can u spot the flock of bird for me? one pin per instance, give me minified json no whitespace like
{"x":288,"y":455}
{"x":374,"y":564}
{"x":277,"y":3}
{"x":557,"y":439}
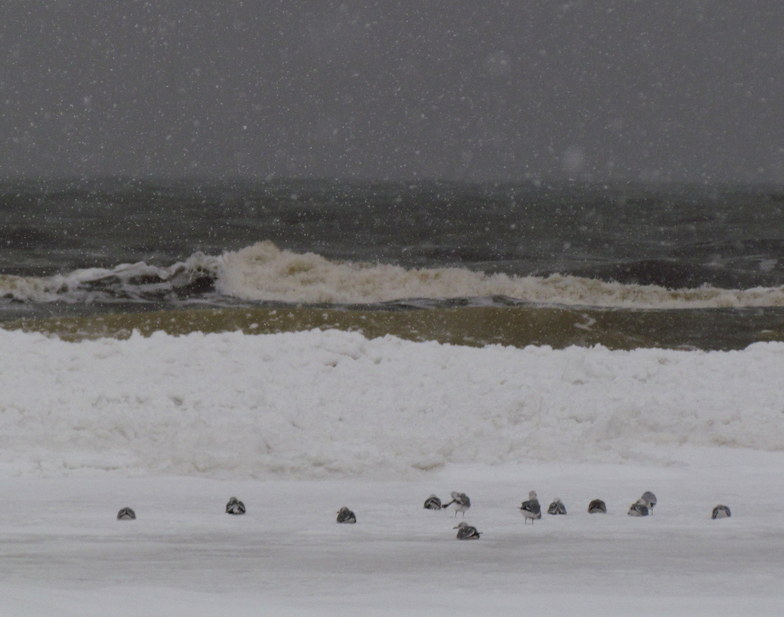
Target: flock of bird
{"x":531,"y":510}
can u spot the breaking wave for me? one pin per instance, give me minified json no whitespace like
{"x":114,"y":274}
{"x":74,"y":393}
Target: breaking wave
{"x":263,"y":272}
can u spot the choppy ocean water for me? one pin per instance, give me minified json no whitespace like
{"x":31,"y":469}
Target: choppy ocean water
{"x":516,"y":264}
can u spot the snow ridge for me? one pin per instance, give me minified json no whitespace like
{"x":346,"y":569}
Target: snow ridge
{"x":315,"y":404}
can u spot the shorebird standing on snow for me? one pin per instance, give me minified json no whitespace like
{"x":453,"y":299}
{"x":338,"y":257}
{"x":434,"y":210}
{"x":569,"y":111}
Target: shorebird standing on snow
{"x":466,"y":532}
{"x":531,"y":509}
{"x":461,"y":501}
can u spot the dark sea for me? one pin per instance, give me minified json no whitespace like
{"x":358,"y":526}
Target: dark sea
{"x":619,"y":265}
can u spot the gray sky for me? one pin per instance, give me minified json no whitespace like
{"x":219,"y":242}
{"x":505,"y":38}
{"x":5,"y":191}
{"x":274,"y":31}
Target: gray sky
{"x":467,"y":90}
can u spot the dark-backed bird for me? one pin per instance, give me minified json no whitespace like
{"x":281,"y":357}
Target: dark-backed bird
{"x":235,"y":506}
{"x":346,"y":516}
{"x":466,"y":532}
{"x":597,"y":506}
{"x":721,"y":511}
{"x":557,"y":507}
{"x":126,"y":514}
{"x":530,"y":508}
{"x":432,"y":503}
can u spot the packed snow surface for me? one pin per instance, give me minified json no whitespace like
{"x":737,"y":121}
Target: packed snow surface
{"x":65,"y":554}
{"x":298,"y":425}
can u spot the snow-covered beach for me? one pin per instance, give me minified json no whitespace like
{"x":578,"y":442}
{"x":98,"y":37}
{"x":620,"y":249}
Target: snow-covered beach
{"x":65,"y":554}
{"x":298,"y":425}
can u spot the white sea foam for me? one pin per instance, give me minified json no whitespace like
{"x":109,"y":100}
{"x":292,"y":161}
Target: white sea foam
{"x":315,"y":403}
{"x":123,"y":282}
{"x":265,"y":272}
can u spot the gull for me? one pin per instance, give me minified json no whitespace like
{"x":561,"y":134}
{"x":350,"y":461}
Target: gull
{"x":432,"y":503}
{"x":466,"y":532}
{"x":531,"y":509}
{"x":639,"y":508}
{"x":126,"y":514}
{"x":557,"y":507}
{"x":235,"y":506}
{"x":649,"y":499}
{"x":597,"y":506}
{"x":346,"y":516}
{"x":721,"y":511}
{"x":461,"y":501}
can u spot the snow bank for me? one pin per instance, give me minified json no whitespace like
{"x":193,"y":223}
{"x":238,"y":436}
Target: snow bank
{"x":314,"y":404}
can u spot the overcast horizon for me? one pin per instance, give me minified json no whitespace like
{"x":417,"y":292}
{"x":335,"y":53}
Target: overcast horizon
{"x":497,"y":91}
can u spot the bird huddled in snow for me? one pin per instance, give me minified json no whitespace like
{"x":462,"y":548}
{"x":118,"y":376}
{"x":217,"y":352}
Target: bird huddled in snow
{"x":235,"y":506}
{"x":721,"y":511}
{"x":466,"y":532}
{"x":650,"y":500}
{"x":530,"y":508}
{"x":597,"y":506}
{"x":126,"y":514}
{"x":556,"y":507}
{"x":432,"y":503}
{"x":461,"y":501}
{"x":639,"y":508}
{"x":346,"y":516}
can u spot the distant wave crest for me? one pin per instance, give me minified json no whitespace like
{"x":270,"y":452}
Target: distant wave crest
{"x":264,"y":272}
